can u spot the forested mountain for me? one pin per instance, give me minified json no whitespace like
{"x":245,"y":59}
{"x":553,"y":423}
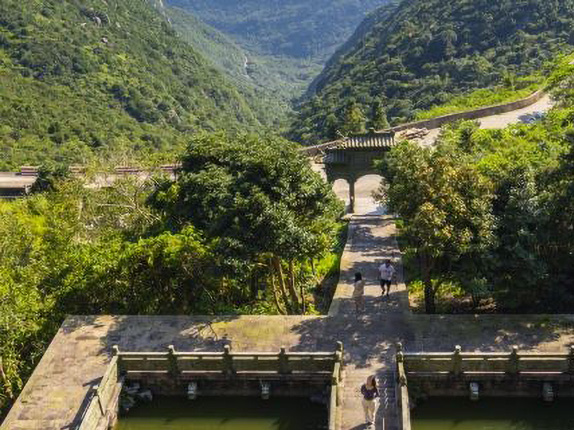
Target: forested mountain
{"x":426,"y":51}
{"x":295,"y":28}
{"x":77,"y":78}
{"x":261,"y":79}
{"x":286,"y":43}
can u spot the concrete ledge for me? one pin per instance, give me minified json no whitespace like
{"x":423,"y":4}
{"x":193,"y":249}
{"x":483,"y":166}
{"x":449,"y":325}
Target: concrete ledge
{"x":340,"y":293}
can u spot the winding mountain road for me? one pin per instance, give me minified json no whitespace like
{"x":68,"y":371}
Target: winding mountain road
{"x":500,"y":121}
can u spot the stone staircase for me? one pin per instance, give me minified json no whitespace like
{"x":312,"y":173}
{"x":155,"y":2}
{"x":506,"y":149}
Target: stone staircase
{"x":387,"y":414}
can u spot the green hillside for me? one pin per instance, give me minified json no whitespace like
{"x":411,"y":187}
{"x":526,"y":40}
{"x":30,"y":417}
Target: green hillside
{"x":92,"y":77}
{"x":294,"y":28}
{"x":426,"y":51}
{"x":261,"y":79}
{"x":284,"y":44}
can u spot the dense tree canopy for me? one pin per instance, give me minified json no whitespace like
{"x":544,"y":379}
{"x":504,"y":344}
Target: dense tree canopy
{"x":446,"y":207}
{"x":525,"y":259}
{"x":257,"y":198}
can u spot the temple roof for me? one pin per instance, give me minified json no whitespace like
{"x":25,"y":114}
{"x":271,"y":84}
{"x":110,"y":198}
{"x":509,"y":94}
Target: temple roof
{"x":367,"y":141}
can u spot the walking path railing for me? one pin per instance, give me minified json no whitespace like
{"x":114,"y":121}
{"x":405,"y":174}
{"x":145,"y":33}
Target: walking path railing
{"x":403,"y":401}
{"x":479,"y":365}
{"x":230,"y":363}
{"x":489,"y":363}
{"x":326,"y":366}
{"x":101,"y":398}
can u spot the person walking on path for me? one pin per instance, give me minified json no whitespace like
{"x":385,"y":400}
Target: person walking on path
{"x":387,"y":274}
{"x":359,"y":292}
{"x":370,"y":394}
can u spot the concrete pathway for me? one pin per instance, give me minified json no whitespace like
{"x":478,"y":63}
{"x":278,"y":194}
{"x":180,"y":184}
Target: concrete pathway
{"x":499,"y":121}
{"x":384,"y":322}
{"x":516,"y":116}
{"x":370,"y":337}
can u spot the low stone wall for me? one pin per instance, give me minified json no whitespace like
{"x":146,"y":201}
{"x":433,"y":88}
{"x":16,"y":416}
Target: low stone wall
{"x":490,"y":374}
{"x":472,"y":114}
{"x":289,"y":374}
{"x":402,"y":393}
{"x":101,"y":412}
{"x":493,"y":386}
{"x":163,"y":384}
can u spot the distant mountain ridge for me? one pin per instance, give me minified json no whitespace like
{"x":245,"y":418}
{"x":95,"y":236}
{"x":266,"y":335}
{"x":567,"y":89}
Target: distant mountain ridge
{"x":425,"y":51}
{"x":255,"y":76}
{"x":286,"y":42}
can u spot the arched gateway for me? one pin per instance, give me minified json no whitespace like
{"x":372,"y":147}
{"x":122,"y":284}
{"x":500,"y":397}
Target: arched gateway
{"x":353,"y":157}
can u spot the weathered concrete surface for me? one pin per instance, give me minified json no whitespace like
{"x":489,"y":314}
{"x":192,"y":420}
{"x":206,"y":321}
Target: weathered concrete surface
{"x":385,"y":321}
{"x":505,"y":119}
{"x":78,"y":355}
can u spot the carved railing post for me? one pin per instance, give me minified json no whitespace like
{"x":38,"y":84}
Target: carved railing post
{"x":116,"y":353}
{"x":172,"y":362}
{"x":283,"y":361}
{"x":339,"y":358}
{"x":571,"y":360}
{"x":228,"y":360}
{"x":514,"y":362}
{"x":457,"y":361}
{"x":401,"y":376}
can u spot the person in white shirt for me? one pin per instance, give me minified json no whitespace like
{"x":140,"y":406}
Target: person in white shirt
{"x":387,"y":274}
{"x":359,"y":292}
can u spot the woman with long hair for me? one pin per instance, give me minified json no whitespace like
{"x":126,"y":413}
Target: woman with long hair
{"x":370,"y":394}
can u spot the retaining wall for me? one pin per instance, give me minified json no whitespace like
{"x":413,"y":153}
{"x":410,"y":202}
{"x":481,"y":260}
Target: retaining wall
{"x":472,"y":114}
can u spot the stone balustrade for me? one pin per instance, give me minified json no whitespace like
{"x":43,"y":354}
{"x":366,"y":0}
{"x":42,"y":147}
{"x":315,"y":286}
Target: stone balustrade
{"x":102,"y":407}
{"x":478,"y":364}
{"x":101,"y":411}
{"x":499,"y":374}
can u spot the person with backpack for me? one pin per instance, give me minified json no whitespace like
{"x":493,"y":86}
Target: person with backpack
{"x":370,"y":394}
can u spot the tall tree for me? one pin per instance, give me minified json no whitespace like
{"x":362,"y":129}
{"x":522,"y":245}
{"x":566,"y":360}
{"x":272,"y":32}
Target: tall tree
{"x":379,"y":119}
{"x":446,"y":207}
{"x":353,"y":119}
{"x":258,"y":199}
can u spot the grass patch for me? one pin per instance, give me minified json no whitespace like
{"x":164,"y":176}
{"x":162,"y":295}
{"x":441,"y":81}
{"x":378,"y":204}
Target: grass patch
{"x":513,"y":89}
